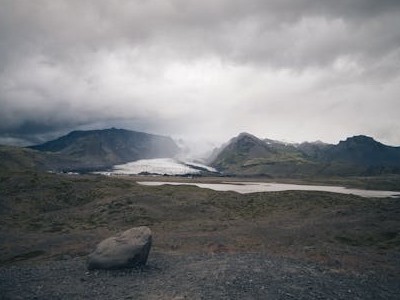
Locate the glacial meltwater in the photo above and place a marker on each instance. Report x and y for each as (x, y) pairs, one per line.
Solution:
(254, 187)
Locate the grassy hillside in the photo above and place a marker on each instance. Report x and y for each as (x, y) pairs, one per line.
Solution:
(248, 155)
(276, 159)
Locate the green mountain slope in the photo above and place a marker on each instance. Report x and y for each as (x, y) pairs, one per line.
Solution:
(359, 155)
(249, 155)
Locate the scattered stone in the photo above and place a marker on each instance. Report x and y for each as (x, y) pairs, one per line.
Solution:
(128, 249)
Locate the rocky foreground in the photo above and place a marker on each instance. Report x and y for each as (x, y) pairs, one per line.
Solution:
(172, 276)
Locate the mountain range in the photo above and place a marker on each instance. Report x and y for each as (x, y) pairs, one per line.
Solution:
(358, 155)
(244, 155)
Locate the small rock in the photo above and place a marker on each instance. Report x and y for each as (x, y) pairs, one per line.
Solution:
(126, 250)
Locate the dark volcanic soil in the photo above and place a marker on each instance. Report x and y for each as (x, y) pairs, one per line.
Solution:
(220, 276)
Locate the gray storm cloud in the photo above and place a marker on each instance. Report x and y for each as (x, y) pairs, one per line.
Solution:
(296, 70)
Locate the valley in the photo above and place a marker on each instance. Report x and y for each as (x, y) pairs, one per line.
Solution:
(320, 244)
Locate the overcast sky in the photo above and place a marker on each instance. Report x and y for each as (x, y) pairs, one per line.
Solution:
(295, 70)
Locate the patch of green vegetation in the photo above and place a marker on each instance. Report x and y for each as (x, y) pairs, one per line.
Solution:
(265, 204)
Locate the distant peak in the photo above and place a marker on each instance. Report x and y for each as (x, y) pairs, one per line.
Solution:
(246, 135)
(360, 139)
(111, 130)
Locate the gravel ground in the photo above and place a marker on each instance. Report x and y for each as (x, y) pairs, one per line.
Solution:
(184, 276)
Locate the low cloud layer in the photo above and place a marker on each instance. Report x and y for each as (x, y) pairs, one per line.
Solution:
(200, 70)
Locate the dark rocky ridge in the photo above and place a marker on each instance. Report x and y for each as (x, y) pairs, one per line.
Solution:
(21, 159)
(96, 149)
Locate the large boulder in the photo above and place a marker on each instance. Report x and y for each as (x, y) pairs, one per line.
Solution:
(126, 250)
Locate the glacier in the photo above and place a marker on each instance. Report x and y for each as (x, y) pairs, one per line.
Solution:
(160, 166)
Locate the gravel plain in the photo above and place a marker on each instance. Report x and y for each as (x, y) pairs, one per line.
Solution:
(188, 276)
